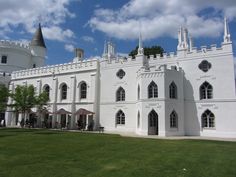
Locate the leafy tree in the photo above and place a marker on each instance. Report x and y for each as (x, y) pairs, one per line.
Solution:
(24, 99)
(41, 102)
(4, 93)
(154, 50)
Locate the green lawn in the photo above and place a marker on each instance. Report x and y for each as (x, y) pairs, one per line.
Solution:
(44, 153)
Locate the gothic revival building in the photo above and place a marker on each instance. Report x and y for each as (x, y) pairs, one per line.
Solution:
(190, 92)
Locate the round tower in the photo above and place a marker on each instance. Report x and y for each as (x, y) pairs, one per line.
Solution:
(38, 49)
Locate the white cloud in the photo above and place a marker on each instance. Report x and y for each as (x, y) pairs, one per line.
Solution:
(163, 18)
(56, 33)
(69, 47)
(29, 13)
(88, 39)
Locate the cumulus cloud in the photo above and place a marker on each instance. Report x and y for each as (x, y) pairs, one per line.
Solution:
(69, 47)
(28, 13)
(163, 18)
(88, 39)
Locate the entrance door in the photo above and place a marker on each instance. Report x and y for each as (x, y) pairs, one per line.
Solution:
(63, 120)
(153, 123)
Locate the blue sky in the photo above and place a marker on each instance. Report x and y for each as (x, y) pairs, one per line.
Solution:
(88, 23)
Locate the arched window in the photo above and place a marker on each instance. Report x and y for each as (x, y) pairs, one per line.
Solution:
(138, 92)
(138, 120)
(83, 90)
(63, 91)
(173, 91)
(120, 94)
(206, 91)
(47, 90)
(153, 117)
(208, 119)
(120, 118)
(173, 120)
(152, 90)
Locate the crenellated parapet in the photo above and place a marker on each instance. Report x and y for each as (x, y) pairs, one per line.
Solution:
(52, 70)
(14, 45)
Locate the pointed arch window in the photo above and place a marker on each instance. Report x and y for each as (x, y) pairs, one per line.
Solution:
(64, 92)
(208, 119)
(47, 90)
(120, 118)
(152, 90)
(120, 94)
(83, 90)
(138, 92)
(153, 118)
(173, 91)
(206, 91)
(138, 120)
(173, 120)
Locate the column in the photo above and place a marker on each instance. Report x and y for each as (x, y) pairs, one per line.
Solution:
(54, 100)
(72, 98)
(9, 116)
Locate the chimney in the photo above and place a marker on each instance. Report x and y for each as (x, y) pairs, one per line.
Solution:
(79, 53)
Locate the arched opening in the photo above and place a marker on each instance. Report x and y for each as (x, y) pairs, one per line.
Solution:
(208, 119)
(83, 90)
(173, 120)
(138, 120)
(120, 118)
(173, 91)
(63, 92)
(153, 123)
(120, 94)
(152, 90)
(46, 89)
(206, 91)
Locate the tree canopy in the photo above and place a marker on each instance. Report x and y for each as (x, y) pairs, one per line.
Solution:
(154, 50)
(4, 93)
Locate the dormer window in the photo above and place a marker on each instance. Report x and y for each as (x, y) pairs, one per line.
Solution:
(120, 73)
(4, 59)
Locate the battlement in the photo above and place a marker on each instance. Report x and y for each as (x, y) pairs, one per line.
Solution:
(14, 44)
(56, 69)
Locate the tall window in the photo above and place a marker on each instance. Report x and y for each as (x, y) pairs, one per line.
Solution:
(138, 92)
(120, 118)
(138, 120)
(120, 94)
(152, 90)
(47, 90)
(206, 91)
(83, 90)
(208, 119)
(173, 91)
(63, 91)
(4, 59)
(173, 120)
(153, 118)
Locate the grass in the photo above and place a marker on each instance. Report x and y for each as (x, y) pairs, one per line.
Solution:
(45, 153)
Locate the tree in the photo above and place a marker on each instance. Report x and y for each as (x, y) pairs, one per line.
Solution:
(4, 93)
(154, 50)
(41, 102)
(24, 99)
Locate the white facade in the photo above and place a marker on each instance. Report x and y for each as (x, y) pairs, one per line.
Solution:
(191, 92)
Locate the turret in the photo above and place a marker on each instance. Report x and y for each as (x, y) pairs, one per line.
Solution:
(38, 48)
(109, 51)
(226, 31)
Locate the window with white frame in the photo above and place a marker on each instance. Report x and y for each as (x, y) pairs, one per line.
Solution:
(173, 91)
(4, 59)
(120, 118)
(206, 91)
(208, 119)
(47, 90)
(173, 120)
(83, 90)
(63, 91)
(120, 94)
(152, 90)
(138, 92)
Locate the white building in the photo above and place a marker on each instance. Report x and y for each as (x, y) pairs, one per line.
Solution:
(16, 56)
(191, 92)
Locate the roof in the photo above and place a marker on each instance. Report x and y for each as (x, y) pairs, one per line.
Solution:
(38, 38)
(82, 111)
(62, 111)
